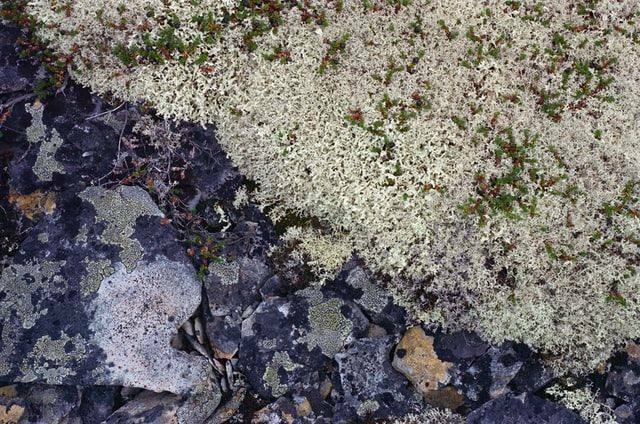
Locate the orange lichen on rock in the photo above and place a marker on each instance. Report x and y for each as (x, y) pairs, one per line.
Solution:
(34, 204)
(416, 358)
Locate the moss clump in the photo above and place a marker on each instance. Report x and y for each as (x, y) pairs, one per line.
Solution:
(482, 154)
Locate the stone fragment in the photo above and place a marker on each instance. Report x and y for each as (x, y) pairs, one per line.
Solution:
(231, 287)
(288, 342)
(282, 411)
(460, 345)
(368, 387)
(11, 412)
(417, 360)
(164, 408)
(523, 409)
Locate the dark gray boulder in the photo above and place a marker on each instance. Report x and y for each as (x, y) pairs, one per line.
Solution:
(523, 409)
(287, 343)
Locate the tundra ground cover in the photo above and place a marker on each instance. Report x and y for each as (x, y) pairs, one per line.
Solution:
(482, 156)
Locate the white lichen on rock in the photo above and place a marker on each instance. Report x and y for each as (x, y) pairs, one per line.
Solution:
(584, 401)
(324, 253)
(485, 155)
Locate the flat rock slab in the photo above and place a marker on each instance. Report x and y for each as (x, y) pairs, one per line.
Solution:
(99, 284)
(287, 343)
(95, 307)
(523, 409)
(367, 386)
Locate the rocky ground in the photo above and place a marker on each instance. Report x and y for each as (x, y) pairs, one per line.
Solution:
(137, 286)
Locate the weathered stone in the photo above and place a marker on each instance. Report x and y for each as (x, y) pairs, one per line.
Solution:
(367, 386)
(164, 408)
(11, 411)
(628, 413)
(98, 402)
(523, 409)
(38, 403)
(287, 342)
(623, 380)
(459, 345)
(357, 284)
(282, 411)
(231, 288)
(481, 372)
(417, 360)
(73, 314)
(15, 74)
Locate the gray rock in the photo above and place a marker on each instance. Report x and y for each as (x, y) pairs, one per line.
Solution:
(58, 147)
(623, 380)
(15, 74)
(288, 342)
(523, 409)
(40, 403)
(286, 411)
(162, 408)
(98, 306)
(628, 413)
(45, 404)
(231, 288)
(367, 386)
(482, 372)
(357, 284)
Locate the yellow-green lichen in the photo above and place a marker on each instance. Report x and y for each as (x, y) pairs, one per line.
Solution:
(51, 360)
(46, 163)
(96, 271)
(119, 209)
(272, 379)
(329, 328)
(20, 285)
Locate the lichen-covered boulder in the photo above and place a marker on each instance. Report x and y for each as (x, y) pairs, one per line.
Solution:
(523, 409)
(231, 288)
(99, 284)
(367, 386)
(288, 342)
(96, 306)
